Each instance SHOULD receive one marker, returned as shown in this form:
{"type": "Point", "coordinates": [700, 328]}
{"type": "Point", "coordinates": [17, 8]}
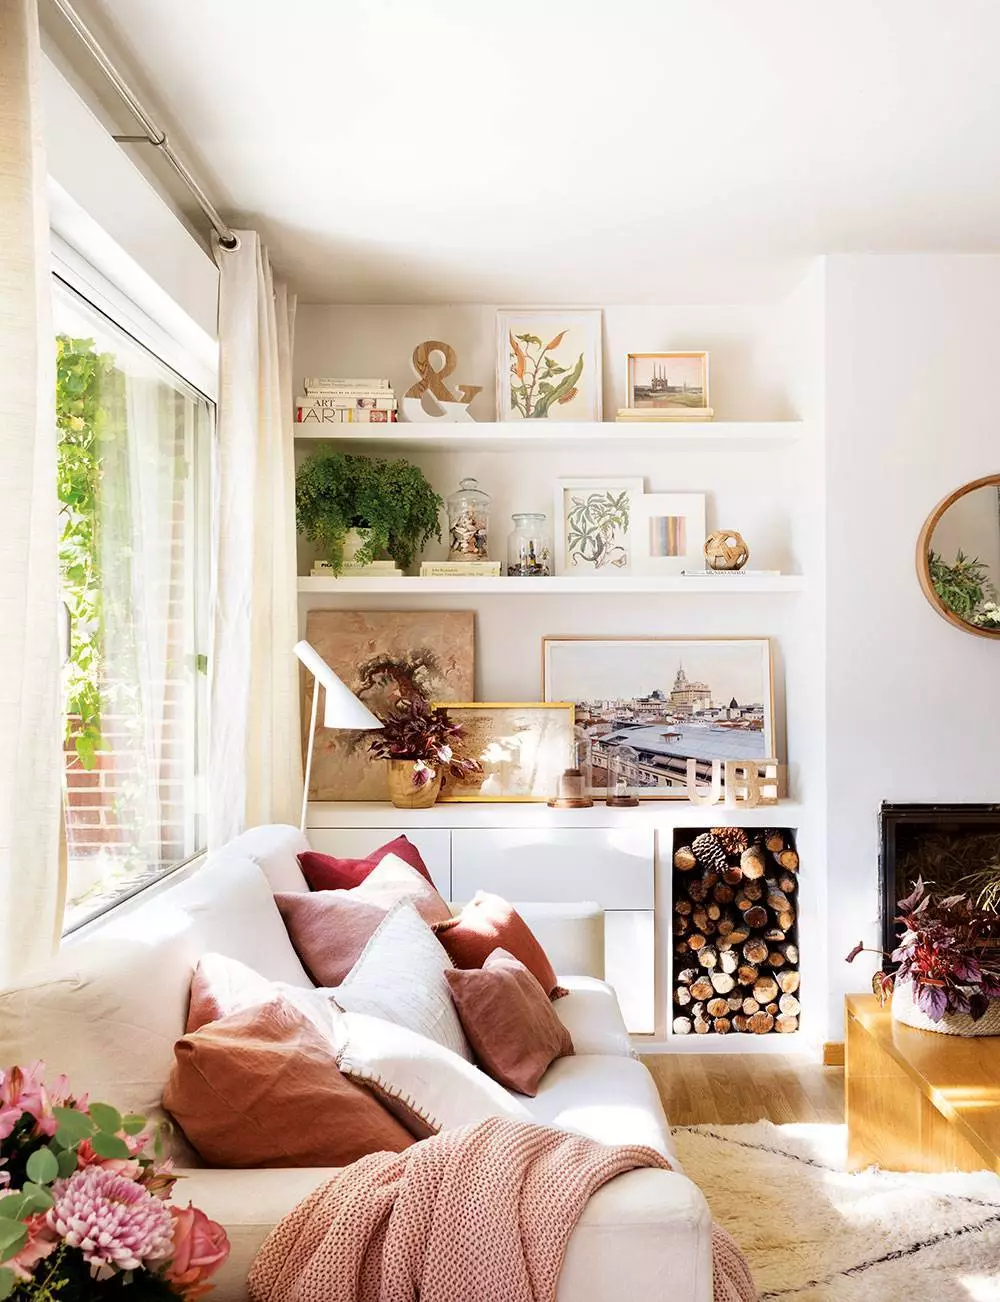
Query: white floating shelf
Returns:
{"type": "Point", "coordinates": [527, 815]}
{"type": "Point", "coordinates": [521, 436]}
{"type": "Point", "coordinates": [719, 585]}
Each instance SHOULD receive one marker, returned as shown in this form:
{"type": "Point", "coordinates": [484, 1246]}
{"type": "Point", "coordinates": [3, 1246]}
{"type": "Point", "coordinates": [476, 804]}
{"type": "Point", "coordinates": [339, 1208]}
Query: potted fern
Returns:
{"type": "Point", "coordinates": [360, 508]}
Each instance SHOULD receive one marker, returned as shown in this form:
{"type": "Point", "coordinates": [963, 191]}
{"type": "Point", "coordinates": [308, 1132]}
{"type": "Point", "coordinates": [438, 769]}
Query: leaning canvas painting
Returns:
{"type": "Point", "coordinates": [669, 700]}
{"type": "Point", "coordinates": [383, 655]}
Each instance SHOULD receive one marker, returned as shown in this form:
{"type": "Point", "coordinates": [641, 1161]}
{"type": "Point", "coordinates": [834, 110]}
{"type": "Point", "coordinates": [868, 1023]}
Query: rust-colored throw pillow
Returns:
{"type": "Point", "coordinates": [509, 1021]}
{"type": "Point", "coordinates": [488, 923]}
{"type": "Point", "coordinates": [262, 1088]}
{"type": "Point", "coordinates": [329, 929]}
{"type": "Point", "coordinates": [326, 872]}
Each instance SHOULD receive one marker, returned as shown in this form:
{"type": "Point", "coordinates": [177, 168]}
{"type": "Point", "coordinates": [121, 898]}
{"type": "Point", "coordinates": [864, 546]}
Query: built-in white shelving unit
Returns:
{"type": "Point", "coordinates": [566, 585]}
{"type": "Point", "coordinates": [529, 814]}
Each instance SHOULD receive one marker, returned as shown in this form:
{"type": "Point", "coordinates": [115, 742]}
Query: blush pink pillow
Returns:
{"type": "Point", "coordinates": [325, 872]}
{"type": "Point", "coordinates": [261, 1087]}
{"type": "Point", "coordinates": [489, 923]}
{"type": "Point", "coordinates": [509, 1021]}
{"type": "Point", "coordinates": [329, 929]}
{"type": "Point", "coordinates": [221, 986]}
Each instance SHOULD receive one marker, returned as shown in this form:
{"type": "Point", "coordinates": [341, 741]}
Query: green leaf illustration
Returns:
{"type": "Point", "coordinates": [564, 386]}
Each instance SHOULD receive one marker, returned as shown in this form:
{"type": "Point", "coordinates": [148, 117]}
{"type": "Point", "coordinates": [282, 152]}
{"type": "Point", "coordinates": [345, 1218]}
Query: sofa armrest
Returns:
{"type": "Point", "coordinates": [572, 935]}
{"type": "Point", "coordinates": [646, 1234]}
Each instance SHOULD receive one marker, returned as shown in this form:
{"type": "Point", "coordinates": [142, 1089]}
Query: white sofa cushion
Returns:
{"type": "Point", "coordinates": [428, 1087]}
{"type": "Point", "coordinates": [572, 935]}
{"type": "Point", "coordinates": [273, 848]}
{"type": "Point", "coordinates": [606, 1097]}
{"type": "Point", "coordinates": [399, 976]}
{"type": "Point", "coordinates": [591, 1014]}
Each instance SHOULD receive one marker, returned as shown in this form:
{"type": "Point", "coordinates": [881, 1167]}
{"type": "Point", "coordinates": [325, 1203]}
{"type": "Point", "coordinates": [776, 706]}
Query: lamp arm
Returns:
{"type": "Point", "coordinates": [309, 754]}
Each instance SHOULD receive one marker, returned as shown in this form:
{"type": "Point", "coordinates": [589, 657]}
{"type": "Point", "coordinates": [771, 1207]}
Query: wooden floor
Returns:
{"type": "Point", "coordinates": [730, 1089]}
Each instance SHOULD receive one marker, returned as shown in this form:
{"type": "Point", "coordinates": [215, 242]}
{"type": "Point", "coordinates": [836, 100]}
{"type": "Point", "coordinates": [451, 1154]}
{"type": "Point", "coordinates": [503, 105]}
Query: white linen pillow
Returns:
{"type": "Point", "coordinates": [424, 1085]}
{"type": "Point", "coordinates": [399, 976]}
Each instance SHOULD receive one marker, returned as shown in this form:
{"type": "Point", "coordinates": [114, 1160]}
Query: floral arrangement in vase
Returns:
{"type": "Point", "coordinates": [421, 744]}
{"type": "Point", "coordinates": [949, 954]}
{"type": "Point", "coordinates": [84, 1212]}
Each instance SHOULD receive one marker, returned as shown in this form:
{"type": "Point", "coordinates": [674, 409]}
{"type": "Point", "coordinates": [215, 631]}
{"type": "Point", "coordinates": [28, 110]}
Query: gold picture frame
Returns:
{"type": "Point", "coordinates": [523, 745]}
{"type": "Point", "coordinates": [649, 387]}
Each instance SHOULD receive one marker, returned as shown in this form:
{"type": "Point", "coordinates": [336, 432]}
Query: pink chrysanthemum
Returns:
{"type": "Point", "coordinates": [115, 1222]}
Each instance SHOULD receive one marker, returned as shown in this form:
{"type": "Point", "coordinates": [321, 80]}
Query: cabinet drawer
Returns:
{"type": "Point", "coordinates": [434, 845]}
{"type": "Point", "coordinates": [611, 866]}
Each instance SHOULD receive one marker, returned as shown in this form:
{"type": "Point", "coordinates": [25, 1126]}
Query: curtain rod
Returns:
{"type": "Point", "coordinates": [152, 133]}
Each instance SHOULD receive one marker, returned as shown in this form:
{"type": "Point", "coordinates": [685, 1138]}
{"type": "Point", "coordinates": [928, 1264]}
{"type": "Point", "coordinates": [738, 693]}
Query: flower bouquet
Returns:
{"type": "Point", "coordinates": [421, 743]}
{"type": "Point", "coordinates": [84, 1212]}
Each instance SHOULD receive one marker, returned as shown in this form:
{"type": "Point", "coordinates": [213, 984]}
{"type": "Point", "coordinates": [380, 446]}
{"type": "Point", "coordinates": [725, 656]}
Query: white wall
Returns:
{"type": "Point", "coordinates": [912, 348]}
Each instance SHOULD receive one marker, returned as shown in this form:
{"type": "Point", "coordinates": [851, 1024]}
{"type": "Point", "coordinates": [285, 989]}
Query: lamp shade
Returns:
{"type": "Point", "coordinates": [342, 709]}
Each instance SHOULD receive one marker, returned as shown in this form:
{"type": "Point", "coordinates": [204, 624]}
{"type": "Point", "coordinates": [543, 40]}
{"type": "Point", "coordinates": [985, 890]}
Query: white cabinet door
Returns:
{"type": "Point", "coordinates": [629, 962]}
{"type": "Point", "coordinates": [434, 844]}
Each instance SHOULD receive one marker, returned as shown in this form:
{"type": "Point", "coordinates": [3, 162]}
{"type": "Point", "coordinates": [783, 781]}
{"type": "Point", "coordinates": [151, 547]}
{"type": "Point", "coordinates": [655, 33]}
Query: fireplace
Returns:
{"type": "Point", "coordinates": [944, 844]}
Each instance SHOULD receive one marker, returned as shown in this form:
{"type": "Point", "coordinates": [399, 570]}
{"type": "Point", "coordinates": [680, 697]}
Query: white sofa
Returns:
{"type": "Point", "coordinates": [108, 1010]}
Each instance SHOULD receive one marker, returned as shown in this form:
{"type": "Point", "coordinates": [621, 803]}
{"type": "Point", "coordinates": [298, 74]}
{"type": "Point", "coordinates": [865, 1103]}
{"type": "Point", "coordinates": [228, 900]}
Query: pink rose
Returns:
{"type": "Point", "coordinates": [200, 1248]}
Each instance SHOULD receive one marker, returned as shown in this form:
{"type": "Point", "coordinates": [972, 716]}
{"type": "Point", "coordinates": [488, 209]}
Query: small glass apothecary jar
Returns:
{"type": "Point", "coordinates": [529, 547]}
{"type": "Point", "coordinates": [623, 767]}
{"type": "Point", "coordinates": [468, 523]}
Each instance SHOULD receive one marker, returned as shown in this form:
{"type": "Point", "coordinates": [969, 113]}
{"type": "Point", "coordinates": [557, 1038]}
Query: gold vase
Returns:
{"type": "Point", "coordinates": [402, 792]}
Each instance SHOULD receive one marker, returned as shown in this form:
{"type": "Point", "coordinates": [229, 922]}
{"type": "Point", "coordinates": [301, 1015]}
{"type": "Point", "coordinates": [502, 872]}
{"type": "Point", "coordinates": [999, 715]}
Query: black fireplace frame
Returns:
{"type": "Point", "coordinates": [891, 818]}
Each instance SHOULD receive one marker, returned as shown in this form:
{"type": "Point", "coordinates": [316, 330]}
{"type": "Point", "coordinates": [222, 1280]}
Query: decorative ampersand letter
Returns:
{"type": "Point", "coordinates": [432, 380]}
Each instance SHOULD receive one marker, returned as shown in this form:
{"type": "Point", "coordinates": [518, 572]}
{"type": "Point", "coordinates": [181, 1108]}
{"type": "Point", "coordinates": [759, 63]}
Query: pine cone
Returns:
{"type": "Point", "coordinates": [733, 840]}
{"type": "Point", "coordinates": [710, 853]}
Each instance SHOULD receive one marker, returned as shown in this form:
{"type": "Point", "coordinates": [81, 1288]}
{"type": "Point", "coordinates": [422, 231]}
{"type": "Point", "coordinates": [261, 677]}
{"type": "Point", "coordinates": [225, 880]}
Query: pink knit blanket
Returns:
{"type": "Point", "coordinates": [477, 1214]}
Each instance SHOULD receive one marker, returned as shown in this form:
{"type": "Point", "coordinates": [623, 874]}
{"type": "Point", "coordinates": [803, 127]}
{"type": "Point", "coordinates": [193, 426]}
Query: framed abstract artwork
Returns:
{"type": "Point", "coordinates": [669, 700]}
{"type": "Point", "coordinates": [523, 747]}
{"type": "Point", "coordinates": [669, 532]}
{"type": "Point", "coordinates": [382, 655]}
{"type": "Point", "coordinates": [594, 523]}
{"type": "Point", "coordinates": [549, 364]}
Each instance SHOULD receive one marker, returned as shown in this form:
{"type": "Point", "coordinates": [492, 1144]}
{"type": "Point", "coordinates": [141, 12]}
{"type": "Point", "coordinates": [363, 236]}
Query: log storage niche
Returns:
{"type": "Point", "coordinates": [735, 929]}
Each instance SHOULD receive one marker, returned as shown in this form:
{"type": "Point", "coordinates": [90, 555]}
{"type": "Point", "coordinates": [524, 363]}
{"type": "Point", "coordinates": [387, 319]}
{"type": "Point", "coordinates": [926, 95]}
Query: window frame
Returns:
{"type": "Point", "coordinates": [194, 360]}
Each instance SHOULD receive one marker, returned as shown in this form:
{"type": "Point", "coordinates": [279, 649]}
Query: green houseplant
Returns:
{"type": "Point", "coordinates": [391, 502]}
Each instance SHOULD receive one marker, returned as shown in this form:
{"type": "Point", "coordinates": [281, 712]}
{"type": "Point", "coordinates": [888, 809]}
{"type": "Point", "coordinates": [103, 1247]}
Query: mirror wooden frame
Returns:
{"type": "Point", "coordinates": [923, 556]}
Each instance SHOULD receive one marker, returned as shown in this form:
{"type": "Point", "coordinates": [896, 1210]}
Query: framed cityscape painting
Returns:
{"type": "Point", "coordinates": [661, 381]}
{"type": "Point", "coordinates": [523, 748]}
{"type": "Point", "coordinates": [669, 699]}
{"type": "Point", "coordinates": [594, 525]}
{"type": "Point", "coordinates": [549, 364]}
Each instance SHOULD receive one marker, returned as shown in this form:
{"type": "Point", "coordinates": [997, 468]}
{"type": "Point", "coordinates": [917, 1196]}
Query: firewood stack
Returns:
{"type": "Point", "coordinates": [736, 956]}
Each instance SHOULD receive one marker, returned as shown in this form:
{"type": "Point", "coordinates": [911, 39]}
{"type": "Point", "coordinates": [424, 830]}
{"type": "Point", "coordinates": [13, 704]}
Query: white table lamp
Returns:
{"type": "Point", "coordinates": [342, 708]}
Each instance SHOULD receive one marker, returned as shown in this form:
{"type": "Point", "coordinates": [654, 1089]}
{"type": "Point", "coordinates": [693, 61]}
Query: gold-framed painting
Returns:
{"type": "Point", "coordinates": [382, 655]}
{"type": "Point", "coordinates": [522, 746]}
{"type": "Point", "coordinates": [669, 700]}
{"type": "Point", "coordinates": [667, 381]}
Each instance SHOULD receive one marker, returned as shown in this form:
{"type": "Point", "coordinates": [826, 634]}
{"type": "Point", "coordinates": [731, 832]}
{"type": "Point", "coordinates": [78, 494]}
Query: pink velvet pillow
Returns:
{"type": "Point", "coordinates": [509, 1021]}
{"type": "Point", "coordinates": [325, 872]}
{"type": "Point", "coordinates": [489, 923]}
{"type": "Point", "coordinates": [329, 929]}
{"type": "Point", "coordinates": [261, 1087]}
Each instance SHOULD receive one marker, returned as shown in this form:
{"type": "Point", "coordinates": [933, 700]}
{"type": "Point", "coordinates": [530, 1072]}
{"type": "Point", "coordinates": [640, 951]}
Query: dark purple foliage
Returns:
{"type": "Point", "coordinates": [414, 730]}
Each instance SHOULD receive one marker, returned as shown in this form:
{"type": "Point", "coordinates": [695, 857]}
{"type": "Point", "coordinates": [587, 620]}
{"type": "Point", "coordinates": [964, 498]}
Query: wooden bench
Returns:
{"type": "Point", "coordinates": [918, 1100]}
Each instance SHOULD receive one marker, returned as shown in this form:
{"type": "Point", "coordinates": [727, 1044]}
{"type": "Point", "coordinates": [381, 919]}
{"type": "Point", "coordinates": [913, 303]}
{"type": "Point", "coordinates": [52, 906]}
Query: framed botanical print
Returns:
{"type": "Point", "coordinates": [669, 700]}
{"type": "Point", "coordinates": [669, 532]}
{"type": "Point", "coordinates": [522, 748]}
{"type": "Point", "coordinates": [549, 364]}
{"type": "Point", "coordinates": [594, 525]}
{"type": "Point", "coordinates": [661, 381]}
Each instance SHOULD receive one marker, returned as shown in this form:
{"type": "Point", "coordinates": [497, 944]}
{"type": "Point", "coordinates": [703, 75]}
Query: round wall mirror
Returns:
{"type": "Point", "coordinates": [958, 557]}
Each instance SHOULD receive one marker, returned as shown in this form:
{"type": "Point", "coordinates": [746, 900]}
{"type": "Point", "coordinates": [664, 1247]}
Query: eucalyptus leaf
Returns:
{"type": "Point", "coordinates": [73, 1126]}
{"type": "Point", "coordinates": [7, 1281]}
{"type": "Point", "coordinates": [13, 1237]}
{"type": "Point", "coordinates": [42, 1166]}
{"type": "Point", "coordinates": [106, 1145]}
{"type": "Point", "coordinates": [133, 1124]}
{"type": "Point", "coordinates": [40, 1200]}
{"type": "Point", "coordinates": [66, 1159]}
{"type": "Point", "coordinates": [107, 1117]}
{"type": "Point", "coordinates": [12, 1207]}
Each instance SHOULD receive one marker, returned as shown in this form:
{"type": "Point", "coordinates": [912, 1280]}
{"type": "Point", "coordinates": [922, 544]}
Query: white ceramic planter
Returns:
{"type": "Point", "coordinates": [905, 1010]}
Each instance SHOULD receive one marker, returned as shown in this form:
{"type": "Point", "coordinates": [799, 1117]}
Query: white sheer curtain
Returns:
{"type": "Point", "coordinates": [255, 758]}
{"type": "Point", "coordinates": [30, 699]}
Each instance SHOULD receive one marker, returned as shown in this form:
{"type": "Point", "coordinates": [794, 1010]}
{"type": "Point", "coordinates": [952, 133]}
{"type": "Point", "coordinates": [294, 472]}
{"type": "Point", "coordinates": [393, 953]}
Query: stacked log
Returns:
{"type": "Point", "coordinates": [735, 926]}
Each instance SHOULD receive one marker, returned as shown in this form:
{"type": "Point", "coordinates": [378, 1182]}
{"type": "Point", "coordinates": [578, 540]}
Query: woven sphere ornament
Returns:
{"type": "Point", "coordinates": [726, 550]}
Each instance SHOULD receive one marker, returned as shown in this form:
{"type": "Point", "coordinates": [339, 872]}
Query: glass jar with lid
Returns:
{"type": "Point", "coordinates": [529, 546]}
{"type": "Point", "coordinates": [468, 522]}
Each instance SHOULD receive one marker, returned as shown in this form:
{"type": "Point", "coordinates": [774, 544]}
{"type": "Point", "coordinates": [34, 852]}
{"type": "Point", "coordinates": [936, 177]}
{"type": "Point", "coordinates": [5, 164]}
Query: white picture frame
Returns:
{"type": "Point", "coordinates": [594, 530]}
{"type": "Point", "coordinates": [559, 356]}
{"type": "Point", "coordinates": [670, 699]}
{"type": "Point", "coordinates": [669, 533]}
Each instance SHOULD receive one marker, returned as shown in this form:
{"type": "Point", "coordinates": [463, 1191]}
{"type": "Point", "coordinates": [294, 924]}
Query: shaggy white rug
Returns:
{"type": "Point", "coordinates": [813, 1233]}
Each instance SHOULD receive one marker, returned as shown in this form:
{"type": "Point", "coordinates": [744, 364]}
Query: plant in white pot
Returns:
{"type": "Point", "coordinates": [420, 743]}
{"type": "Point", "coordinates": [948, 977]}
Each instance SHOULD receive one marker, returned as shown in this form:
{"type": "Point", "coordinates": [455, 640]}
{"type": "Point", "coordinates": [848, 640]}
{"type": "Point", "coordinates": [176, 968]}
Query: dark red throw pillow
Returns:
{"type": "Point", "coordinates": [325, 872]}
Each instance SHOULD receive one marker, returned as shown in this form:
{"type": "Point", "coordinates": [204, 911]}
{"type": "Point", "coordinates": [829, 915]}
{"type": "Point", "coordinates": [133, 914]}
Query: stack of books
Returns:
{"type": "Point", "coordinates": [351, 570]}
{"type": "Point", "coordinates": [341, 402]}
{"type": "Point", "coordinates": [460, 569]}
{"type": "Point", "coordinates": [665, 413]}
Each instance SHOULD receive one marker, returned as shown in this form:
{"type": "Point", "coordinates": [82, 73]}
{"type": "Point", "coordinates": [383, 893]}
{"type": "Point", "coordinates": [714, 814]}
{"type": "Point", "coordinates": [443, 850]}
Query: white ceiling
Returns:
{"type": "Point", "coordinates": [577, 150]}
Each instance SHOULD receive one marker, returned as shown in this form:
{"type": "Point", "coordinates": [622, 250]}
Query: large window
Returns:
{"type": "Point", "coordinates": [133, 460]}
